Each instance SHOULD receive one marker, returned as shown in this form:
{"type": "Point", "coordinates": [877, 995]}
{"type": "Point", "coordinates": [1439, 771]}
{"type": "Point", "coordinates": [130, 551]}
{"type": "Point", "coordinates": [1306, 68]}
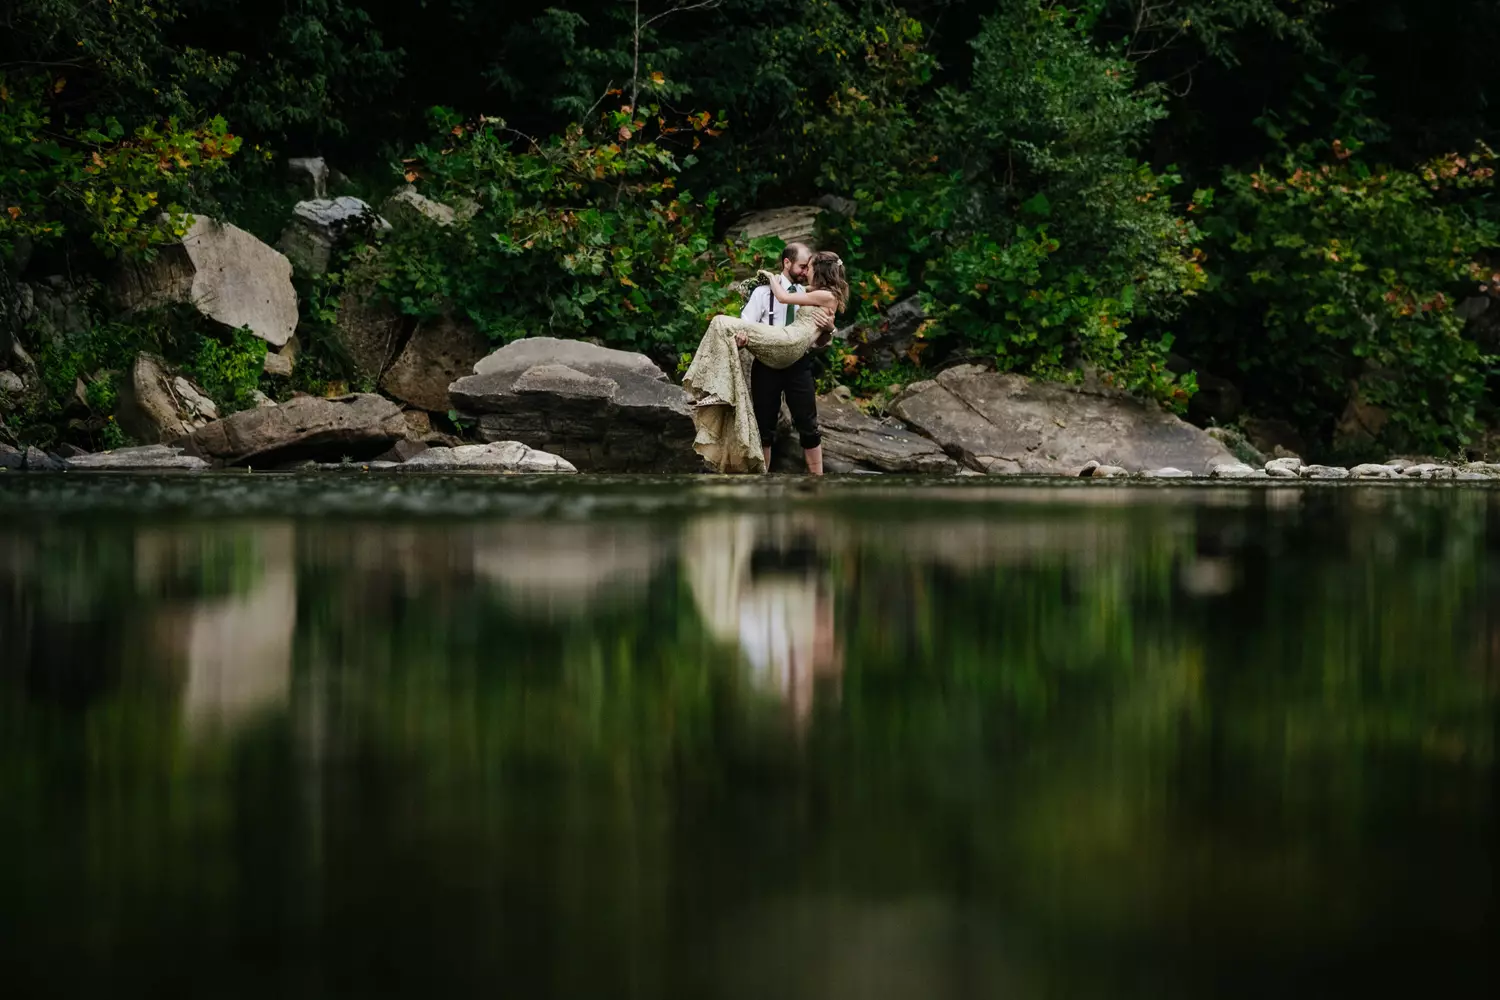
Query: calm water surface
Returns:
{"type": "Point", "coordinates": [346, 737]}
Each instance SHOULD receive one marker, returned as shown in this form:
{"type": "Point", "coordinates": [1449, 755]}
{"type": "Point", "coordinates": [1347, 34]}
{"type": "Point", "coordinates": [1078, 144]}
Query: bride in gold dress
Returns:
{"type": "Point", "coordinates": [718, 380]}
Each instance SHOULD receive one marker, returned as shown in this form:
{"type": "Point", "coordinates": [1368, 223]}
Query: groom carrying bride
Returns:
{"type": "Point", "coordinates": [768, 385]}
{"type": "Point", "coordinates": [735, 420]}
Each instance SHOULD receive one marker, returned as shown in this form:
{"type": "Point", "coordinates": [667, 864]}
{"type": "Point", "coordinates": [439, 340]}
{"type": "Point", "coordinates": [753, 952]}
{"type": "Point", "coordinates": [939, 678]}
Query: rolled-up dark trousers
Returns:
{"type": "Point", "coordinates": [768, 385]}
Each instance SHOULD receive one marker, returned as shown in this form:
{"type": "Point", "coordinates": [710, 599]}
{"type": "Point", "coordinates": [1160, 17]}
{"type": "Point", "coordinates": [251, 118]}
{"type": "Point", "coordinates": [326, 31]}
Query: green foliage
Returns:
{"type": "Point", "coordinates": [114, 186]}
{"type": "Point", "coordinates": [1351, 269]}
{"type": "Point", "coordinates": [229, 368]}
{"type": "Point", "coordinates": [587, 234]}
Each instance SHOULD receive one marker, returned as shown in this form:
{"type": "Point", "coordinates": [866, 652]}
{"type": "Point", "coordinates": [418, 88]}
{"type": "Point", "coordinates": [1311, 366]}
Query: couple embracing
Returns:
{"type": "Point", "coordinates": [737, 396]}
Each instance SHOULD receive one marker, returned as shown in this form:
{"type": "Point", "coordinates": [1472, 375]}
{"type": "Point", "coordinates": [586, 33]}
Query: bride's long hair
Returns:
{"type": "Point", "coordinates": [828, 273]}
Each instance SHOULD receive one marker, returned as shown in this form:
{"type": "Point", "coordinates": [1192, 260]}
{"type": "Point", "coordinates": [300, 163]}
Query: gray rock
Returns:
{"type": "Point", "coordinates": [11, 458]}
{"type": "Point", "coordinates": [854, 441]}
{"type": "Point", "coordinates": [497, 456]}
{"type": "Point", "coordinates": [1283, 468]}
{"type": "Point", "coordinates": [36, 460]}
{"type": "Point", "coordinates": [228, 275]}
{"type": "Point", "coordinates": [1372, 471]}
{"type": "Point", "coordinates": [402, 451]}
{"type": "Point", "coordinates": [1490, 469]}
{"type": "Point", "coordinates": [437, 354]}
{"type": "Point", "coordinates": [1471, 477]}
{"type": "Point", "coordinates": [156, 406]}
{"type": "Point", "coordinates": [407, 207]}
{"type": "Point", "coordinates": [1237, 470]}
{"type": "Point", "coordinates": [603, 410]}
{"type": "Point", "coordinates": [792, 224]}
{"type": "Point", "coordinates": [278, 364]}
{"type": "Point", "coordinates": [1429, 470]}
{"type": "Point", "coordinates": [1167, 473]}
{"type": "Point", "coordinates": [149, 457]}
{"type": "Point", "coordinates": [11, 384]}
{"type": "Point", "coordinates": [1324, 472]}
{"type": "Point", "coordinates": [317, 227]}
{"type": "Point", "coordinates": [998, 424]}
{"type": "Point", "coordinates": [261, 399]}
{"type": "Point", "coordinates": [1107, 472]}
{"type": "Point", "coordinates": [310, 173]}
{"type": "Point", "coordinates": [356, 426]}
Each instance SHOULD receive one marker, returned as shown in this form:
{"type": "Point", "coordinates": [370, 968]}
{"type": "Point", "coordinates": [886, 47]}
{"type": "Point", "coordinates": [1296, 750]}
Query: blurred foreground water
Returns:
{"type": "Point", "coordinates": [335, 737]}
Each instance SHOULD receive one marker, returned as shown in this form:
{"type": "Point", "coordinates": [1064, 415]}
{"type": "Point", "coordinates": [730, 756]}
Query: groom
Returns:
{"type": "Point", "coordinates": [768, 385]}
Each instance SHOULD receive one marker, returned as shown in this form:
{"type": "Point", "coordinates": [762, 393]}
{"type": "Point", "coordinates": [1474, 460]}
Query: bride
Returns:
{"type": "Point", "coordinates": [718, 379]}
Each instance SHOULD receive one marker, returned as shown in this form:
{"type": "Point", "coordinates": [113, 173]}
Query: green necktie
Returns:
{"type": "Point", "coordinates": [791, 310]}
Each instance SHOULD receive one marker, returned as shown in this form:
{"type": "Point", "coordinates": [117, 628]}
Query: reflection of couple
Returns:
{"type": "Point", "coordinates": [736, 411]}
{"type": "Point", "coordinates": [763, 585]}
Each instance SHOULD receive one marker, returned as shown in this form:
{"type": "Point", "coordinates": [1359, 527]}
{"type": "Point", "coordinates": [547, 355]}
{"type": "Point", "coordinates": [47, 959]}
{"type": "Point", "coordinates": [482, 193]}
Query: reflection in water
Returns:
{"type": "Point", "coordinates": [234, 649]}
{"type": "Point", "coordinates": [1022, 742]}
{"type": "Point", "coordinates": [762, 584]}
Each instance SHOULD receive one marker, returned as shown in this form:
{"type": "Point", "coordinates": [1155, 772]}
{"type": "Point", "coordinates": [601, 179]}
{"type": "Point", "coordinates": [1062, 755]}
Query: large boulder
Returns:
{"type": "Point", "coordinates": [156, 406]}
{"type": "Point", "coordinates": [437, 354]}
{"type": "Point", "coordinates": [319, 224]}
{"type": "Point", "coordinates": [228, 275]}
{"type": "Point", "coordinates": [792, 224]}
{"type": "Point", "coordinates": [357, 426]}
{"type": "Point", "coordinates": [999, 423]}
{"type": "Point", "coordinates": [601, 409]}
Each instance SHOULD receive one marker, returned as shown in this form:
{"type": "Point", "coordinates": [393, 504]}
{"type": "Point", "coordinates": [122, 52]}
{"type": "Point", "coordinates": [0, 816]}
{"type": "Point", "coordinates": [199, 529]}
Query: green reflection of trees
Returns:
{"type": "Point", "coordinates": [1106, 727]}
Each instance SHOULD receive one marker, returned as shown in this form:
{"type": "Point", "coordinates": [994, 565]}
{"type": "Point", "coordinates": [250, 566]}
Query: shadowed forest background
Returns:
{"type": "Point", "coordinates": [1295, 196]}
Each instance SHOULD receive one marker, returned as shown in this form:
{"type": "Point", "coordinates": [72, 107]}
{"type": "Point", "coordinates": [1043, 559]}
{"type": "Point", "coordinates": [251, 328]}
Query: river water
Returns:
{"type": "Point", "coordinates": [271, 736]}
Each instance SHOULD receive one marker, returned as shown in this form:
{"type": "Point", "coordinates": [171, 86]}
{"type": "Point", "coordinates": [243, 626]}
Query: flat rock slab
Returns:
{"type": "Point", "coordinates": [1007, 424]}
{"type": "Point", "coordinates": [603, 410]}
{"type": "Point", "coordinates": [147, 458]}
{"type": "Point", "coordinates": [854, 441]}
{"type": "Point", "coordinates": [357, 426]}
{"type": "Point", "coordinates": [500, 456]}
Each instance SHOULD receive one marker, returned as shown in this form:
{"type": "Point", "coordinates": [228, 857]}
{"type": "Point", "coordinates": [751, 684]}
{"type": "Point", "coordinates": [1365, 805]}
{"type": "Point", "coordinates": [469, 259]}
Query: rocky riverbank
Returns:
{"type": "Point", "coordinates": [542, 405]}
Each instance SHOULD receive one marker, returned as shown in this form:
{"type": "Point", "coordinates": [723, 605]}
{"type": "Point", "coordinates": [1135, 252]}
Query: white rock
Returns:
{"type": "Point", "coordinates": [1167, 473]}
{"type": "Point", "coordinates": [1284, 468]}
{"type": "Point", "coordinates": [501, 456]}
{"type": "Point", "coordinates": [1373, 471]}
{"type": "Point", "coordinates": [147, 457]}
{"type": "Point", "coordinates": [1237, 471]}
{"type": "Point", "coordinates": [1324, 472]}
{"type": "Point", "coordinates": [1108, 472]}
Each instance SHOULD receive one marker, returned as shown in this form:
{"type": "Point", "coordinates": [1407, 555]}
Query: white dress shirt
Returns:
{"type": "Point", "coordinates": [763, 305]}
